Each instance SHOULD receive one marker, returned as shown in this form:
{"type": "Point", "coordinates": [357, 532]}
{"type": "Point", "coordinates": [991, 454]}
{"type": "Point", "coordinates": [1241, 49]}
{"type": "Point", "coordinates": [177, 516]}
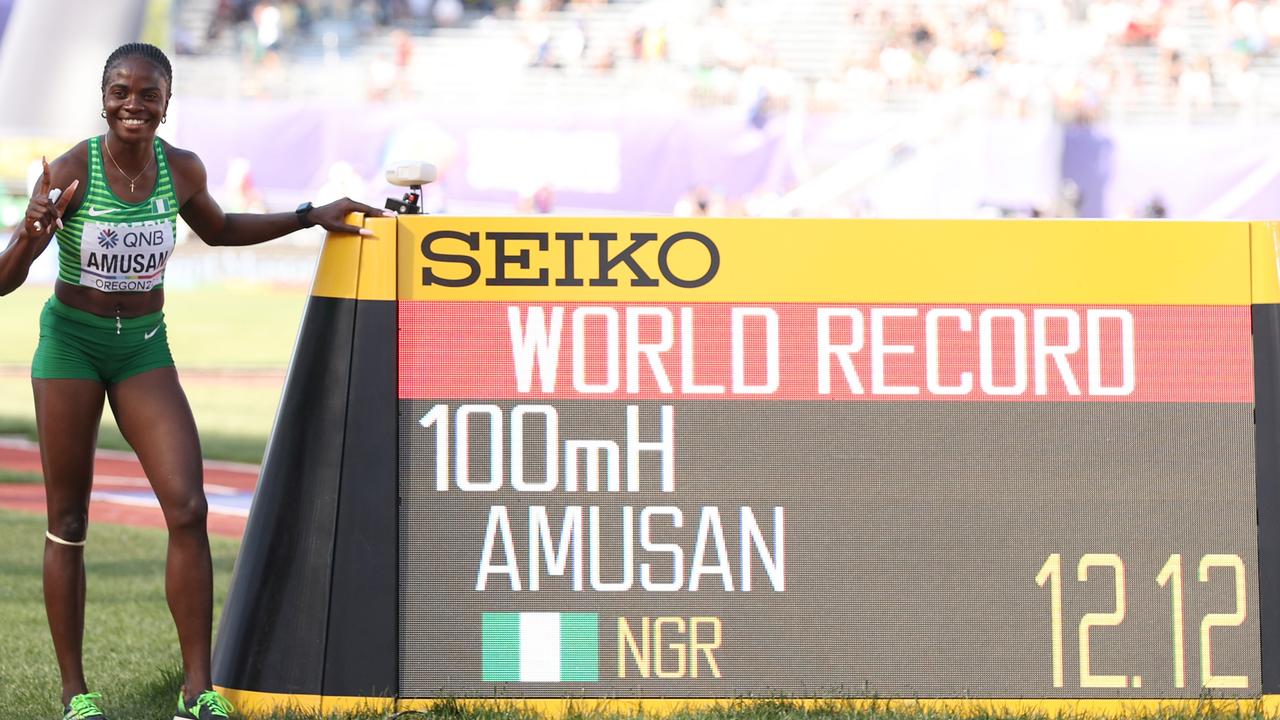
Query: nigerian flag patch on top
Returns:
{"type": "Point", "coordinates": [541, 647]}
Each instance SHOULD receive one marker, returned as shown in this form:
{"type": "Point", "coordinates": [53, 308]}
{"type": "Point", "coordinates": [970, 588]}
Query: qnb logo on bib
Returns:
{"type": "Point", "coordinates": [125, 257]}
{"type": "Point", "coordinates": [108, 238]}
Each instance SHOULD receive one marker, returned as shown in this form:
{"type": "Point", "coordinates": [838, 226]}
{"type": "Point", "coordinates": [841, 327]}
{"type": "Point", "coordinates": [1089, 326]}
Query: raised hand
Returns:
{"type": "Point", "coordinates": [47, 204]}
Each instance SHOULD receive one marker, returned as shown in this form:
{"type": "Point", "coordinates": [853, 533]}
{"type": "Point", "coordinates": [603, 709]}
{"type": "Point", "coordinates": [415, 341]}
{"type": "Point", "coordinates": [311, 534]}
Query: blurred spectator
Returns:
{"type": "Point", "coordinates": [1145, 23]}
{"type": "Point", "coordinates": [1246, 27]}
{"type": "Point", "coordinates": [266, 19]}
{"type": "Point", "coordinates": [1082, 59]}
{"type": "Point", "coordinates": [1195, 88]}
{"type": "Point", "coordinates": [382, 79]}
{"type": "Point", "coordinates": [1243, 85]}
{"type": "Point", "coordinates": [239, 193]}
{"type": "Point", "coordinates": [389, 72]}
{"type": "Point", "coordinates": [228, 14]}
{"type": "Point", "coordinates": [402, 49]}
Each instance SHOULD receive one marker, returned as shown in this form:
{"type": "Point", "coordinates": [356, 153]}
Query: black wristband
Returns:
{"type": "Point", "coordinates": [303, 212]}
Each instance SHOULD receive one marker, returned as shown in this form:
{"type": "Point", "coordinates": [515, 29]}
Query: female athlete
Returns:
{"type": "Point", "coordinates": [112, 201]}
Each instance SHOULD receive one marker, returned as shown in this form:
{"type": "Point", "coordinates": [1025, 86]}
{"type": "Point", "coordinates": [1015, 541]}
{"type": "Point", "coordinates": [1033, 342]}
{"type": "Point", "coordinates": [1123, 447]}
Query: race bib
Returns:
{"type": "Point", "coordinates": [125, 257]}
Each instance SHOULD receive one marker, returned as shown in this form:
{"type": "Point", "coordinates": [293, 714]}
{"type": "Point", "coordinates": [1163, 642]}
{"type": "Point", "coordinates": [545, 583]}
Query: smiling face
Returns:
{"type": "Point", "coordinates": [135, 98]}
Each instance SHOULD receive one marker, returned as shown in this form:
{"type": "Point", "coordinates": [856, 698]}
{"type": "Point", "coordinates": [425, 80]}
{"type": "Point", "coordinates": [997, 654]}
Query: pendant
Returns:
{"type": "Point", "coordinates": [130, 187]}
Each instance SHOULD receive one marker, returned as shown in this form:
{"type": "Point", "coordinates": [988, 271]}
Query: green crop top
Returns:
{"type": "Point", "coordinates": [115, 246]}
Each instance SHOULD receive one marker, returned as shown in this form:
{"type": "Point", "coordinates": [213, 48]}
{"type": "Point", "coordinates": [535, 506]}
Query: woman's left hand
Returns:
{"type": "Point", "coordinates": [332, 217]}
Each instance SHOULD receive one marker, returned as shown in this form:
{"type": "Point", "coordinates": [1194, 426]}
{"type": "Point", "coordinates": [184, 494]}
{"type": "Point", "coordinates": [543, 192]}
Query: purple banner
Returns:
{"type": "Point", "coordinates": [622, 160]}
{"type": "Point", "coordinates": [613, 161]}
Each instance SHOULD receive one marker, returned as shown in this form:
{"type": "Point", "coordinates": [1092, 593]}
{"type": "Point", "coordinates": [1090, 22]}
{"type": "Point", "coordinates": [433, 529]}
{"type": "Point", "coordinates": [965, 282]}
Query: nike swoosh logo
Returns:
{"type": "Point", "coordinates": [95, 212]}
{"type": "Point", "coordinates": [151, 334]}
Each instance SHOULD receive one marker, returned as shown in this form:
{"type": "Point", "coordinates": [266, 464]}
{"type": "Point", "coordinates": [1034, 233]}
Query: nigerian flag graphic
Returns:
{"type": "Point", "coordinates": [541, 647]}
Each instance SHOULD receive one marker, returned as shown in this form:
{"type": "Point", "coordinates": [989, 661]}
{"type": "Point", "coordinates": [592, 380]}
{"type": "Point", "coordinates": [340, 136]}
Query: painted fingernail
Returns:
{"type": "Point", "coordinates": [390, 213]}
{"type": "Point", "coordinates": [59, 222]}
{"type": "Point", "coordinates": [366, 232]}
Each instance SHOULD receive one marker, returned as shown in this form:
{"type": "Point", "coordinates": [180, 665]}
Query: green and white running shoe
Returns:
{"type": "Point", "coordinates": [208, 706]}
{"type": "Point", "coordinates": [84, 707]}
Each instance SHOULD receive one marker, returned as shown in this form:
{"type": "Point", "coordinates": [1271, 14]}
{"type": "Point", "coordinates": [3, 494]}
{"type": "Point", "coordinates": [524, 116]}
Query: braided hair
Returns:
{"type": "Point", "coordinates": [146, 51]}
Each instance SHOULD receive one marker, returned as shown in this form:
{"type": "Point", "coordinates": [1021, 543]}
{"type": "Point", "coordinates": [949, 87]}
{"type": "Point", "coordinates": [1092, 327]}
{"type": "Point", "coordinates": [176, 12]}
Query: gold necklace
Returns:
{"type": "Point", "coordinates": [133, 179]}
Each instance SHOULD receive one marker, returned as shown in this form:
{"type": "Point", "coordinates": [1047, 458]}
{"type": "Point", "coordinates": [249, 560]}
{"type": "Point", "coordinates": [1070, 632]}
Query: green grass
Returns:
{"type": "Point", "coordinates": [240, 326]}
{"type": "Point", "coordinates": [212, 330]}
{"type": "Point", "coordinates": [130, 646]}
{"type": "Point", "coordinates": [16, 477]}
{"type": "Point", "coordinates": [215, 444]}
{"type": "Point", "coordinates": [234, 422]}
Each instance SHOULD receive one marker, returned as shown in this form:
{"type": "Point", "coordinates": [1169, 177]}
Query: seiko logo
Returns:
{"type": "Point", "coordinates": [587, 260]}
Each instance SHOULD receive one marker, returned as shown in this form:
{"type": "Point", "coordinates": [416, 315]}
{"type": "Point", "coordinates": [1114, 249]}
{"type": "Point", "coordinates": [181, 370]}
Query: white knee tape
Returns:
{"type": "Point", "coordinates": [60, 541]}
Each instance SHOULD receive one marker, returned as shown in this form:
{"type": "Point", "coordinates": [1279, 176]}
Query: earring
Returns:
{"type": "Point", "coordinates": [104, 113]}
{"type": "Point", "coordinates": [164, 119]}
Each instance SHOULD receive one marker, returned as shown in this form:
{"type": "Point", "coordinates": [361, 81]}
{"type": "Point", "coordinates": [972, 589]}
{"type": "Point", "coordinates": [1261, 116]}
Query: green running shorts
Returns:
{"type": "Point", "coordinates": [75, 344]}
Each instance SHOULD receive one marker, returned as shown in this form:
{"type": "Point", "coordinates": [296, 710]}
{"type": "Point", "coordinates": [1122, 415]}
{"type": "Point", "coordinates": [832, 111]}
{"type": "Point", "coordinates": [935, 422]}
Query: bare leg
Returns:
{"type": "Point", "coordinates": [154, 417]}
{"type": "Point", "coordinates": [67, 417]}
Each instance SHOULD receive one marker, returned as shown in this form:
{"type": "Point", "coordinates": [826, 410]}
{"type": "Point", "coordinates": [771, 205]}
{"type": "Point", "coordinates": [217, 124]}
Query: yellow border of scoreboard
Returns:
{"type": "Point", "coordinates": [251, 702]}
{"type": "Point", "coordinates": [1087, 262]}
{"type": "Point", "coordinates": [989, 262]}
{"type": "Point", "coordinates": [374, 258]}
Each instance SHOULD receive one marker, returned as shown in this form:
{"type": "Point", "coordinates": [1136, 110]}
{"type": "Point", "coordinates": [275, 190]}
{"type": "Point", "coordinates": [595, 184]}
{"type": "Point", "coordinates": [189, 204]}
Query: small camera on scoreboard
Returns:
{"type": "Point", "coordinates": [412, 175]}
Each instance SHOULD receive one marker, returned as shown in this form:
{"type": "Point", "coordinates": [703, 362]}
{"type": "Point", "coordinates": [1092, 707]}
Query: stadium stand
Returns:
{"type": "Point", "coordinates": [1128, 59]}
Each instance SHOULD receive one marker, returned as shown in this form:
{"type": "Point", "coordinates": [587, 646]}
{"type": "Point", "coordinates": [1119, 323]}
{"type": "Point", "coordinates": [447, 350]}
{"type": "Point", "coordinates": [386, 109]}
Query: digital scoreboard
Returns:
{"type": "Point", "coordinates": [714, 459]}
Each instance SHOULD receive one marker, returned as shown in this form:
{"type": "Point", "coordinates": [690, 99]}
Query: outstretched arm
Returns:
{"type": "Point", "coordinates": [215, 227]}
{"type": "Point", "coordinates": [32, 236]}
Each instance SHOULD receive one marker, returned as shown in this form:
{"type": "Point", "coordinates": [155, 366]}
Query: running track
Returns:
{"type": "Point", "coordinates": [121, 494]}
